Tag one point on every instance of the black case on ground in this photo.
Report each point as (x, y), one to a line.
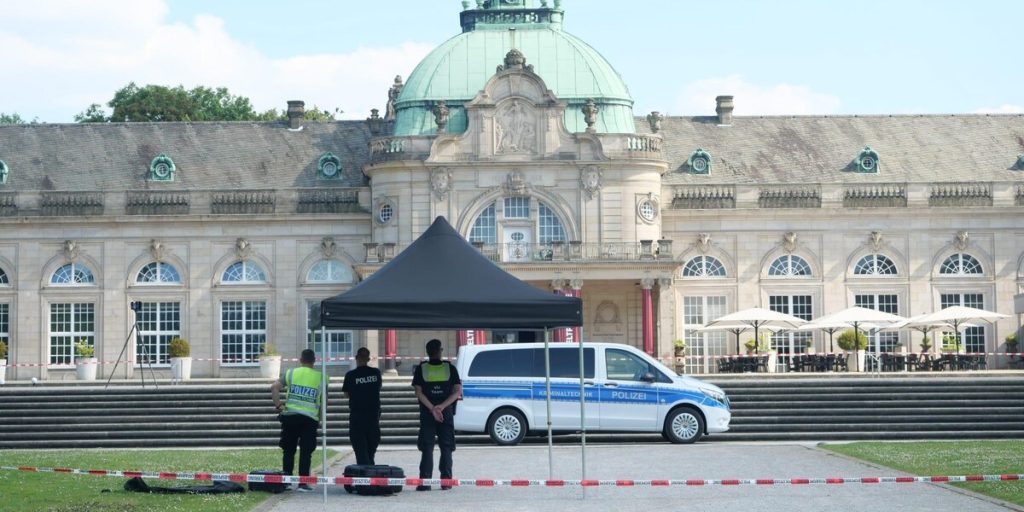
(378, 471)
(267, 487)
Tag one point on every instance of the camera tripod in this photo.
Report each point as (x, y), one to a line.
(135, 306)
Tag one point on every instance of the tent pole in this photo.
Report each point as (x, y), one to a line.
(323, 400)
(583, 418)
(547, 396)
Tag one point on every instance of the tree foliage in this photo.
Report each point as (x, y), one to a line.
(156, 103)
(846, 340)
(15, 118)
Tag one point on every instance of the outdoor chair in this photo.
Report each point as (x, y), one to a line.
(725, 365)
(841, 363)
(761, 364)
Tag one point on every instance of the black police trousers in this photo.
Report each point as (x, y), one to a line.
(444, 433)
(364, 434)
(297, 430)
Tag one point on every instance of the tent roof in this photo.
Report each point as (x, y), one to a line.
(441, 282)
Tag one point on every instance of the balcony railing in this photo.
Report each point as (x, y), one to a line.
(552, 252)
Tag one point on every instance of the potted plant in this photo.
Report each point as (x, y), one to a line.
(679, 351)
(181, 362)
(926, 344)
(763, 346)
(270, 362)
(1011, 342)
(855, 341)
(86, 363)
(949, 343)
(3, 362)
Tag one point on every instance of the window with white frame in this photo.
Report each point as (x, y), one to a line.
(329, 271)
(159, 323)
(698, 311)
(4, 281)
(886, 341)
(792, 341)
(485, 229)
(972, 339)
(243, 331)
(790, 265)
(704, 266)
(338, 341)
(69, 324)
(158, 272)
(961, 264)
(72, 274)
(549, 225)
(875, 265)
(517, 207)
(244, 272)
(5, 327)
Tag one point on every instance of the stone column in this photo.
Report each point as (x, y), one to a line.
(647, 320)
(576, 286)
(665, 321)
(558, 288)
(390, 350)
(372, 343)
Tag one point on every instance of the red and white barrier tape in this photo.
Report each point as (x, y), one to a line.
(197, 359)
(412, 482)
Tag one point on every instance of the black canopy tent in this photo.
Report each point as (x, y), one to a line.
(441, 282)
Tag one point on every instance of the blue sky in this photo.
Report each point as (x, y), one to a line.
(780, 57)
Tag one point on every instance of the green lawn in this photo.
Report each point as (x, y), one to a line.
(950, 458)
(24, 491)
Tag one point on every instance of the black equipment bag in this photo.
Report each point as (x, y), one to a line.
(267, 487)
(137, 484)
(378, 471)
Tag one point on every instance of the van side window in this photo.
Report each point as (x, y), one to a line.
(502, 363)
(565, 363)
(622, 365)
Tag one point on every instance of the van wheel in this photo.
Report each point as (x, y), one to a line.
(683, 426)
(507, 427)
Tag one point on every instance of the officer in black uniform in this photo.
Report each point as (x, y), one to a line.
(438, 387)
(362, 387)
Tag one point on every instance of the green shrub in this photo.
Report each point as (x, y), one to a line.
(949, 343)
(269, 350)
(179, 347)
(850, 338)
(1011, 339)
(764, 345)
(3, 349)
(84, 349)
(679, 344)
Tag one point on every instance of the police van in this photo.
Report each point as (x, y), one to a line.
(625, 390)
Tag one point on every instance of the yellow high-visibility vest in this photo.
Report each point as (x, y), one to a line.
(303, 386)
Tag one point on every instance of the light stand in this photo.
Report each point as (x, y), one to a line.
(135, 307)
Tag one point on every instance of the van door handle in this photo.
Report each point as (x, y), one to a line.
(612, 384)
(588, 382)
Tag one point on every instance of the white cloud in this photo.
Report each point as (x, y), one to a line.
(1005, 108)
(90, 49)
(698, 98)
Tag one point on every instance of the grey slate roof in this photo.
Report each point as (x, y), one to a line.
(239, 155)
(821, 149)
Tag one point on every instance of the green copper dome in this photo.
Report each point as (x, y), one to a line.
(458, 69)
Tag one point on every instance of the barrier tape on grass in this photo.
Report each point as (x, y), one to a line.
(412, 482)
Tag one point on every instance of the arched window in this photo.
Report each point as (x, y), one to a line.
(704, 266)
(73, 274)
(329, 271)
(485, 229)
(961, 264)
(550, 225)
(3, 278)
(158, 272)
(790, 266)
(875, 265)
(244, 272)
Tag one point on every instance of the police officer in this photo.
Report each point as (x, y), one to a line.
(437, 386)
(299, 414)
(362, 387)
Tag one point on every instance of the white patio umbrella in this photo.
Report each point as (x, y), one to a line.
(736, 329)
(759, 318)
(957, 317)
(858, 318)
(831, 328)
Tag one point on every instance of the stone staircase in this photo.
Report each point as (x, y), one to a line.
(213, 414)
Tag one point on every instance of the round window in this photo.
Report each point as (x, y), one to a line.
(700, 165)
(518, 237)
(385, 214)
(867, 162)
(647, 210)
(330, 169)
(162, 170)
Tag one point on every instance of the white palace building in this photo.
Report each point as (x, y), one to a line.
(230, 234)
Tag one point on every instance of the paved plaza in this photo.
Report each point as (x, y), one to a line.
(651, 461)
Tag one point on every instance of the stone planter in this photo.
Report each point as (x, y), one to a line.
(270, 367)
(3, 371)
(181, 368)
(855, 361)
(773, 361)
(86, 367)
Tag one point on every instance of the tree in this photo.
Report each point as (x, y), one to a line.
(15, 118)
(846, 340)
(161, 103)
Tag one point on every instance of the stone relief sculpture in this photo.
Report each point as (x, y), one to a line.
(243, 249)
(654, 119)
(607, 319)
(875, 240)
(71, 250)
(789, 242)
(961, 241)
(156, 249)
(328, 248)
(704, 242)
(393, 93)
(591, 180)
(515, 184)
(441, 182)
(515, 129)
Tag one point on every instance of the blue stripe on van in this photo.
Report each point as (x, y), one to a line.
(570, 392)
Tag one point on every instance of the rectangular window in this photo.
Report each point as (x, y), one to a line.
(5, 329)
(791, 342)
(340, 342)
(517, 207)
(503, 363)
(972, 339)
(565, 363)
(698, 311)
(885, 341)
(70, 323)
(243, 331)
(158, 323)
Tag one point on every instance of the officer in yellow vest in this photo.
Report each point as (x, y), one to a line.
(299, 414)
(438, 387)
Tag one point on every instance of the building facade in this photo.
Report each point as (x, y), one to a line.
(524, 137)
